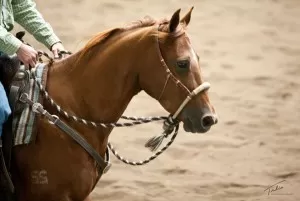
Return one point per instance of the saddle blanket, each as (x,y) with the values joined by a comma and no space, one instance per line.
(24,124)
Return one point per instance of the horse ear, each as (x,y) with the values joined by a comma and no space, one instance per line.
(187,18)
(174,22)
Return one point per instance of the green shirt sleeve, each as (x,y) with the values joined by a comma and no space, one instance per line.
(9,44)
(26,14)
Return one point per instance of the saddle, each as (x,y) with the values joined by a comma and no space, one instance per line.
(15,80)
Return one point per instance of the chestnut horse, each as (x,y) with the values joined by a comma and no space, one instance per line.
(97,83)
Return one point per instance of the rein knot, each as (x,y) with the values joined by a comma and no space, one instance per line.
(169,125)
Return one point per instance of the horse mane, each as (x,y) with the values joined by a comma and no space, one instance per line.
(145,22)
(98,39)
(102,37)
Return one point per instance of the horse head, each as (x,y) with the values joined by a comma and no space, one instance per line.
(177,74)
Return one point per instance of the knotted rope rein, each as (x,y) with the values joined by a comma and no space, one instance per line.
(152,144)
(135,120)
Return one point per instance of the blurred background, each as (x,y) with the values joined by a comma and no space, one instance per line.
(250,53)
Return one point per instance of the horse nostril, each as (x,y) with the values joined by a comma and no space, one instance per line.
(208,121)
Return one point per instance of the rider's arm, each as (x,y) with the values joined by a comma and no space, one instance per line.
(9,44)
(26,14)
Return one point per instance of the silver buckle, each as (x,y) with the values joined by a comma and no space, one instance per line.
(23,98)
(35,107)
(56,118)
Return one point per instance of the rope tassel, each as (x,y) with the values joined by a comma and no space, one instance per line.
(154,142)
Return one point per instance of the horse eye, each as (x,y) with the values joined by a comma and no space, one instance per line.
(183,64)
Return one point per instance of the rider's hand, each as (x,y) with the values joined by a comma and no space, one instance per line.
(56,48)
(27,55)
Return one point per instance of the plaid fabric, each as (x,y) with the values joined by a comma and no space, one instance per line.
(24,125)
(23,12)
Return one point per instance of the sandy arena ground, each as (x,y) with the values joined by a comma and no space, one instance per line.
(250,53)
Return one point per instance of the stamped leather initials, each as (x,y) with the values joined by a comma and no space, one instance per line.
(39,177)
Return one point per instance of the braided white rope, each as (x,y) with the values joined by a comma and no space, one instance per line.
(152,157)
(135,120)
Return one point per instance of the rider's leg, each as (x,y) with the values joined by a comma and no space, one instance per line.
(5,183)
(5,110)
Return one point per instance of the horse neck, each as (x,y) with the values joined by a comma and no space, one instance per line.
(99,88)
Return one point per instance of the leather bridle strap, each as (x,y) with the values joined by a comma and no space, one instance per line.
(102,165)
(165,85)
(203,87)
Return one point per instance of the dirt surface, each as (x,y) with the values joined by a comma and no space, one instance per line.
(250,53)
